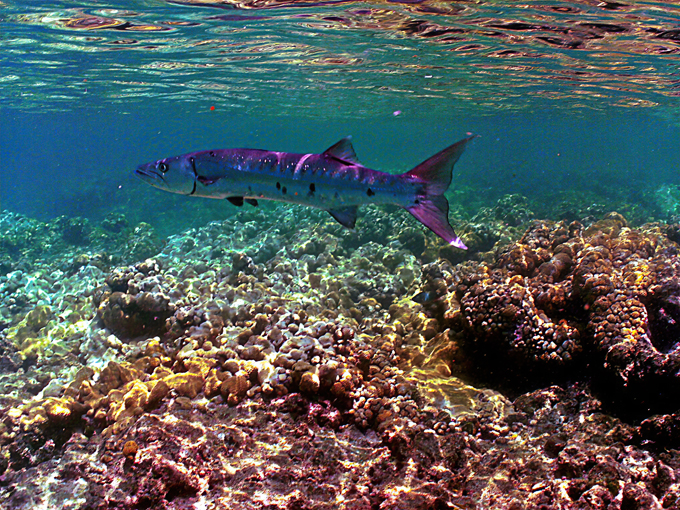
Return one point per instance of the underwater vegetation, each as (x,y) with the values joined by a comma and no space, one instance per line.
(282,361)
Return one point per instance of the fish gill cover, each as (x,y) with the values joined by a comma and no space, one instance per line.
(162,352)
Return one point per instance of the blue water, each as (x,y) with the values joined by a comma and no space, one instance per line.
(576,108)
(568,98)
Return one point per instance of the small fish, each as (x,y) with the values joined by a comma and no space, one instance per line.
(427,297)
(333,180)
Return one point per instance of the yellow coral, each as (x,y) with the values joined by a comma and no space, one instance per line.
(188,384)
(130,450)
(200,365)
(57,411)
(28,335)
(136,396)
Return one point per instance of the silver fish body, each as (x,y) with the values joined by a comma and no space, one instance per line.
(333,180)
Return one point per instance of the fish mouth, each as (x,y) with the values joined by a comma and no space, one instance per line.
(147,174)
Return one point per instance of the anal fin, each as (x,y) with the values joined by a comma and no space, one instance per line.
(346,216)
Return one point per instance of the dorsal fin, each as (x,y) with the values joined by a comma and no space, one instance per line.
(343,151)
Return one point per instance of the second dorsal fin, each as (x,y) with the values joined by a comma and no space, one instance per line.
(343,151)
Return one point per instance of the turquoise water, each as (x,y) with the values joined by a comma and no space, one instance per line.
(569,98)
(152,357)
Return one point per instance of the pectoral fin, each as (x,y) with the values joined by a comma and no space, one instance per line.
(207,181)
(346,216)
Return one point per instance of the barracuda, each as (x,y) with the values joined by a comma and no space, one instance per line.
(333,180)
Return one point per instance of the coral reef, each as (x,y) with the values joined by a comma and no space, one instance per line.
(284,364)
(564,299)
(31,246)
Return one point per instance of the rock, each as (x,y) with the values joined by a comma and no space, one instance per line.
(309,383)
(234,388)
(158,392)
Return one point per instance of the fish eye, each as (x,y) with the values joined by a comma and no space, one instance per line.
(163,167)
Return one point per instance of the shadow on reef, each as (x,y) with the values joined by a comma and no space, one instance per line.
(566,303)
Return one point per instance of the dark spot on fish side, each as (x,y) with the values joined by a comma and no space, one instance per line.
(336,195)
(284,190)
(278,185)
(312,187)
(212,154)
(417,201)
(370,192)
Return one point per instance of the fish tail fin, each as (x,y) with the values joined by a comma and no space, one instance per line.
(431,207)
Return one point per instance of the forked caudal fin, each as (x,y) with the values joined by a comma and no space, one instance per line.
(431,207)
